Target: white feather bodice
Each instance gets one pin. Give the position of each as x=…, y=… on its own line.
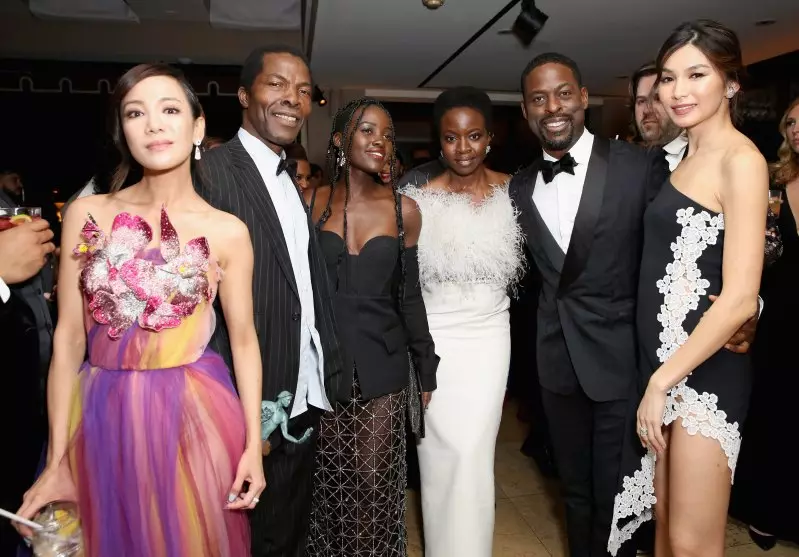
x=463, y=243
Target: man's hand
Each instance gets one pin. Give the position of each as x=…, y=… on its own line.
x=742, y=340
x=24, y=249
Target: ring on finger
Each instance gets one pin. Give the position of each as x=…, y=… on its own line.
x=255, y=500
x=643, y=431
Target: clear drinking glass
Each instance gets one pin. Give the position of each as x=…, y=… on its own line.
x=775, y=201
x=17, y=215
x=61, y=535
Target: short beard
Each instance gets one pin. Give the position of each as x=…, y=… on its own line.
x=669, y=133
x=558, y=144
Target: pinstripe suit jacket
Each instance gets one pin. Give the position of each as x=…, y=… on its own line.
x=229, y=180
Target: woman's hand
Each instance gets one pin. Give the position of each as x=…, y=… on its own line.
x=55, y=484
x=650, y=418
x=426, y=396
x=251, y=470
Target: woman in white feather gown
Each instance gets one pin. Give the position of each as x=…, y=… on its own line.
x=470, y=254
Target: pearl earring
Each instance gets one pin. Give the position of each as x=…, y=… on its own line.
x=197, y=152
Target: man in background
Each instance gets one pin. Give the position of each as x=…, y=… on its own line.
x=12, y=193
x=652, y=124
x=25, y=344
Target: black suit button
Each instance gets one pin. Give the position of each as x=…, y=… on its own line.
x=295, y=316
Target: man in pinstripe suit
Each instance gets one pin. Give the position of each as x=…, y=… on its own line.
x=293, y=314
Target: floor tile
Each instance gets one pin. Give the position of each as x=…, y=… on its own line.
x=518, y=545
x=515, y=473
x=543, y=513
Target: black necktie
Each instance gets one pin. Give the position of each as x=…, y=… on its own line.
x=550, y=169
x=282, y=166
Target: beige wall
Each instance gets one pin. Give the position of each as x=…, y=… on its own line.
x=26, y=37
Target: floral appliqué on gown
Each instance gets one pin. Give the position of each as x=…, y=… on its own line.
x=156, y=427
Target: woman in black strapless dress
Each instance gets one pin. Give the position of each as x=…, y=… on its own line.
x=767, y=486
x=368, y=234
x=703, y=235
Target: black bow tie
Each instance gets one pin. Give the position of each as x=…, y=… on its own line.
x=550, y=169
x=282, y=166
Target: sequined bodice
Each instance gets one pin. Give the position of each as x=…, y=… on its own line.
x=145, y=308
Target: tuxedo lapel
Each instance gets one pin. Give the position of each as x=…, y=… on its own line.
x=249, y=179
x=587, y=213
x=539, y=239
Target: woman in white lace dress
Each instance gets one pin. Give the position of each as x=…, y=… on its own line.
x=703, y=235
x=470, y=254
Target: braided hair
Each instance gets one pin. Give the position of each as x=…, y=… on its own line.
x=346, y=123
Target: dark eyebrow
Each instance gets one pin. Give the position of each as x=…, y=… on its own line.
x=557, y=88
x=283, y=78
x=689, y=69
x=162, y=99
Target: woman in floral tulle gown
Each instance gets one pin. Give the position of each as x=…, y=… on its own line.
x=148, y=433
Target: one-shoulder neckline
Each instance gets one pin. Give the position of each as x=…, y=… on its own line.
x=692, y=200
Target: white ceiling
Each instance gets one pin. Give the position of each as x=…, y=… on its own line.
x=204, y=31
x=393, y=43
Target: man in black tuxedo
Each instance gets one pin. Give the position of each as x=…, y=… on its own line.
x=581, y=207
x=293, y=315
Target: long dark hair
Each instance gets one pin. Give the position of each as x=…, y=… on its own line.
x=345, y=123
x=128, y=81
x=718, y=43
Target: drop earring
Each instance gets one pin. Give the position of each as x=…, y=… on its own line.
x=488, y=149
x=197, y=152
x=342, y=160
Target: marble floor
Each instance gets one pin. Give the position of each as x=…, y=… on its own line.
x=529, y=513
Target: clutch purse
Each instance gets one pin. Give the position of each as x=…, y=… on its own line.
x=415, y=406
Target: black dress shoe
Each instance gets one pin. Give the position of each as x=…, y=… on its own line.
x=763, y=541
x=542, y=455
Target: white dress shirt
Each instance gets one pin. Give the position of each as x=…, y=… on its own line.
x=675, y=150
x=294, y=222
x=557, y=201
x=5, y=293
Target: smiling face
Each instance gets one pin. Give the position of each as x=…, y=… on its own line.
x=692, y=89
x=554, y=106
x=372, y=141
x=159, y=127
x=279, y=100
x=464, y=139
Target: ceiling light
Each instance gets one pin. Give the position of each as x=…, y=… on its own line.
x=433, y=4
x=529, y=23
x=318, y=96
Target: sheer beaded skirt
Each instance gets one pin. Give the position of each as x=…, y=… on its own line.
x=359, y=484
